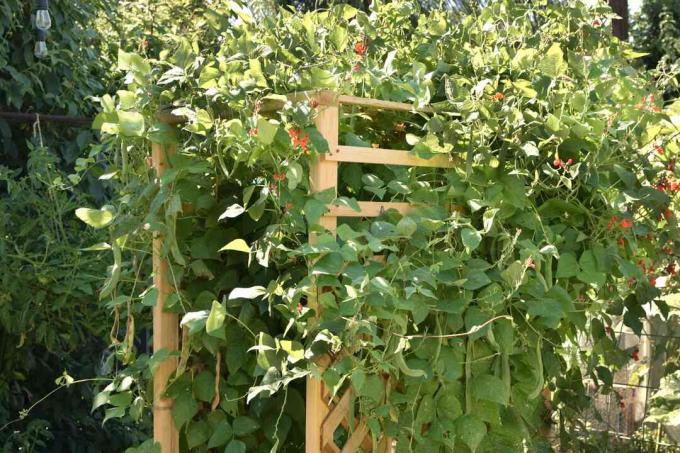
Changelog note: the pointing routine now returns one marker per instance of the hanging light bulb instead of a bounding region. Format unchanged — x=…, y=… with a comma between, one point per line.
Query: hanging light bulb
x=40, y=49
x=42, y=15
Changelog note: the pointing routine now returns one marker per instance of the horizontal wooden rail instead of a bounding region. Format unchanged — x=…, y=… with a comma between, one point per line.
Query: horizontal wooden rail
x=326, y=97
x=381, y=105
x=370, y=209
x=364, y=155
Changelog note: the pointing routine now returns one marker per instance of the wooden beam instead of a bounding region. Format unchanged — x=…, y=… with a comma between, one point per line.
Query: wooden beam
x=328, y=98
x=365, y=155
x=334, y=418
x=381, y=105
x=369, y=209
x=165, y=328
x=323, y=175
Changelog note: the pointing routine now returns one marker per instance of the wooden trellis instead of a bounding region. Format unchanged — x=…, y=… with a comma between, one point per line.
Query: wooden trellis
x=326, y=414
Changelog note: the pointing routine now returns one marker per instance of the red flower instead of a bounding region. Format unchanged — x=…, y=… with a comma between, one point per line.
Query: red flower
x=570, y=161
x=597, y=23
x=279, y=176
x=294, y=134
x=656, y=109
x=253, y=131
x=626, y=223
x=667, y=213
x=498, y=96
x=557, y=163
x=670, y=269
x=658, y=149
x=612, y=222
x=360, y=48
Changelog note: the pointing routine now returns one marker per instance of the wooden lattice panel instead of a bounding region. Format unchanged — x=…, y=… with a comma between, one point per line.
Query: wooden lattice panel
x=326, y=413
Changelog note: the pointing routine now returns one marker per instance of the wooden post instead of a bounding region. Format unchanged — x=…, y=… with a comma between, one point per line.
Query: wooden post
x=323, y=175
x=165, y=328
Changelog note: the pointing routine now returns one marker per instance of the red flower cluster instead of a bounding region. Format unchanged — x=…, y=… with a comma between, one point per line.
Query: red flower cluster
x=647, y=102
x=279, y=176
x=668, y=184
x=670, y=269
x=302, y=142
x=360, y=48
x=498, y=96
x=658, y=149
x=626, y=223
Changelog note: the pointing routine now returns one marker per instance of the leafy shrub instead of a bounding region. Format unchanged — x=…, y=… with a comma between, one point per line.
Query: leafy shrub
x=563, y=179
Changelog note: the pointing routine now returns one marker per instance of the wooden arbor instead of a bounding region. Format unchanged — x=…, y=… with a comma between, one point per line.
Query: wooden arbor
x=325, y=415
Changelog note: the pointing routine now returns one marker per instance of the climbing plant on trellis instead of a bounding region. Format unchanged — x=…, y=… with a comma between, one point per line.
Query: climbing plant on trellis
x=438, y=324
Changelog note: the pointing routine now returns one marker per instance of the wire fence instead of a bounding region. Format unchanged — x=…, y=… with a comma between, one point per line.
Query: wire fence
x=621, y=416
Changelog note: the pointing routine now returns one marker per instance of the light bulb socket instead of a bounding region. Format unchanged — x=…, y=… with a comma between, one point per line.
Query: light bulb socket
x=42, y=35
x=41, y=4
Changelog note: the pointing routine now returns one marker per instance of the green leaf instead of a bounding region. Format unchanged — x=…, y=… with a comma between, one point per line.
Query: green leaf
x=184, y=408
x=113, y=412
x=471, y=238
x=221, y=435
x=331, y=264
x=130, y=124
x=235, y=446
x=237, y=245
x=552, y=62
x=214, y=324
x=204, y=386
x=294, y=175
x=567, y=266
x=244, y=425
x=232, y=211
x=406, y=227
x=471, y=430
x=266, y=130
x=514, y=274
x=294, y=349
x=247, y=293
x=490, y=388
x=197, y=433
x=96, y=218
x=133, y=62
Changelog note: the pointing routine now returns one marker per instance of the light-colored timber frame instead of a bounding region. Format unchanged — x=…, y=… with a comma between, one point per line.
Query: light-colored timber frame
x=323, y=413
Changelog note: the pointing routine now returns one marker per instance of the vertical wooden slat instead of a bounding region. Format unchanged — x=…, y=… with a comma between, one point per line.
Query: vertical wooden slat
x=323, y=175
x=165, y=329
